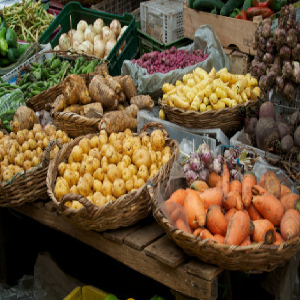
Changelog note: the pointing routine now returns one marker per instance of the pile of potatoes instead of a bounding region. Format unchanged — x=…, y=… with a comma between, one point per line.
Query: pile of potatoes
x=23, y=150
x=104, y=167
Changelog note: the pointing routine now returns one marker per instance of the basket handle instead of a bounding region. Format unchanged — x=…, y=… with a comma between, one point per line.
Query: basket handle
x=152, y=125
x=89, y=206
x=46, y=156
x=23, y=68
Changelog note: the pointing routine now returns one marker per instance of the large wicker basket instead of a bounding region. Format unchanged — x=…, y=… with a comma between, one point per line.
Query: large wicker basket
x=29, y=186
x=125, y=211
x=229, y=120
x=251, y=259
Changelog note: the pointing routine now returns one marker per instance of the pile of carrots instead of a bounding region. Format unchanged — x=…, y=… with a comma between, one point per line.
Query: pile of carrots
x=237, y=213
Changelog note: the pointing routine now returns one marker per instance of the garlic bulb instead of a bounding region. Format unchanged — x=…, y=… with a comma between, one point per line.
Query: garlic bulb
x=90, y=47
x=82, y=26
x=98, y=25
x=115, y=26
x=99, y=48
x=64, y=42
x=89, y=35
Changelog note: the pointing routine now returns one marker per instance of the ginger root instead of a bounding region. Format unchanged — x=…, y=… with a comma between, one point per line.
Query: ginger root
x=142, y=102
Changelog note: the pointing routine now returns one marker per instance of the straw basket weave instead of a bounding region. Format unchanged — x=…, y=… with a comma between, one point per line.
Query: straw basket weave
x=229, y=120
x=125, y=211
x=29, y=186
x=251, y=259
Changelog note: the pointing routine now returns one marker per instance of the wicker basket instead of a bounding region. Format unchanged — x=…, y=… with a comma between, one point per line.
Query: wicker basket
x=229, y=120
x=125, y=211
x=251, y=259
x=29, y=186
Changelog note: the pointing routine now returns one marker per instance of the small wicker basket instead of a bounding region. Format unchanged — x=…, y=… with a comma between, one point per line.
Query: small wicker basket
x=227, y=119
x=29, y=186
x=126, y=210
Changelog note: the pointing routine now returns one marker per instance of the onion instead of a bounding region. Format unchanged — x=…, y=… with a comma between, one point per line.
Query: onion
x=122, y=31
x=64, y=42
x=98, y=25
x=56, y=48
x=78, y=36
x=82, y=48
x=90, y=47
x=107, y=34
x=115, y=27
x=99, y=48
x=92, y=28
x=109, y=46
x=82, y=26
x=69, y=33
x=97, y=38
x=76, y=45
x=89, y=35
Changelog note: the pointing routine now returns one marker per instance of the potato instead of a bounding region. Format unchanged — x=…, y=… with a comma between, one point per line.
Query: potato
x=127, y=160
x=127, y=174
x=110, y=198
x=7, y=174
x=97, y=186
x=112, y=138
x=153, y=167
x=77, y=153
x=59, y=134
x=149, y=146
x=136, y=143
x=127, y=132
x=103, y=133
x=89, y=179
x=118, y=144
x=85, y=145
x=129, y=184
x=76, y=205
x=11, y=155
x=139, y=183
x=106, y=188
x=86, y=167
x=102, y=141
x=39, y=151
x=113, y=173
x=153, y=156
x=104, y=165
x=39, y=136
x=141, y=157
x=157, y=140
x=30, y=135
x=3, y=151
x=94, y=142
x=128, y=148
x=118, y=188
x=70, y=177
x=143, y=172
x=84, y=157
x=153, y=173
x=121, y=165
x=99, y=199
x=19, y=160
x=105, y=178
x=70, y=159
x=112, y=155
x=73, y=189
x=61, y=168
x=166, y=150
x=61, y=188
x=35, y=161
x=98, y=174
x=165, y=158
x=20, y=138
x=83, y=187
x=145, y=140
x=75, y=167
x=121, y=136
x=158, y=156
x=65, y=138
x=95, y=153
x=133, y=169
x=27, y=165
x=104, y=149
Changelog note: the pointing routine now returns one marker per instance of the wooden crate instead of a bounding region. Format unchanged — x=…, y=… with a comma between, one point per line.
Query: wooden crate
x=239, y=62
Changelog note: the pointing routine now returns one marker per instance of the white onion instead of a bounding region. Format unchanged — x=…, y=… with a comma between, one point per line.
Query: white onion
x=64, y=42
x=115, y=26
x=76, y=45
x=99, y=48
x=82, y=26
x=82, y=48
x=107, y=34
x=122, y=31
x=97, y=38
x=98, y=25
x=69, y=33
x=90, y=47
x=89, y=35
x=56, y=48
x=78, y=36
x=109, y=46
x=92, y=27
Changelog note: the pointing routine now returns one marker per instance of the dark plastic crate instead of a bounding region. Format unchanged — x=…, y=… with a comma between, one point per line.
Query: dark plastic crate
x=77, y=12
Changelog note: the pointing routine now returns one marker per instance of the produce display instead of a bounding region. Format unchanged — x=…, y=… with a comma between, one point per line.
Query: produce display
x=23, y=149
x=166, y=61
x=200, y=91
x=276, y=64
x=106, y=167
x=95, y=39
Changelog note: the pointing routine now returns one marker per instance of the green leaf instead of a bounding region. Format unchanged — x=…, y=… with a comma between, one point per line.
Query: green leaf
x=46, y=5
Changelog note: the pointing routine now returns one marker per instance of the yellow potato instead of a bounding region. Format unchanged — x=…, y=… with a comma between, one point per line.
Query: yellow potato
x=136, y=143
x=94, y=142
x=61, y=188
x=95, y=162
x=139, y=183
x=118, y=188
x=153, y=173
x=141, y=157
x=202, y=107
x=99, y=199
x=86, y=167
x=89, y=179
x=112, y=138
x=95, y=153
x=157, y=140
x=118, y=144
x=122, y=165
x=102, y=141
x=19, y=160
x=77, y=205
x=121, y=136
x=61, y=168
x=128, y=132
x=143, y=172
x=213, y=99
x=126, y=159
x=133, y=169
x=113, y=173
x=77, y=153
x=85, y=145
x=112, y=155
x=70, y=177
x=106, y=188
x=73, y=190
x=129, y=185
x=165, y=158
x=99, y=174
x=97, y=186
x=126, y=174
x=153, y=156
x=70, y=159
x=8, y=174
x=83, y=187
x=128, y=148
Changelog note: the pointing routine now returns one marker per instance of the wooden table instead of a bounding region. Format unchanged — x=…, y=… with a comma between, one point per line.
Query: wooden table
x=143, y=247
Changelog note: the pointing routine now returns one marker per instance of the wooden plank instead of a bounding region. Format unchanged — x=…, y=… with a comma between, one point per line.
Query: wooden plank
x=202, y=270
x=50, y=206
x=239, y=62
x=174, y=278
x=145, y=236
x=166, y=251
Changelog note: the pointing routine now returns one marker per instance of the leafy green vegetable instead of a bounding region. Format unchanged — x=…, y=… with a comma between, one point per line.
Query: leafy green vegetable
x=11, y=38
x=3, y=43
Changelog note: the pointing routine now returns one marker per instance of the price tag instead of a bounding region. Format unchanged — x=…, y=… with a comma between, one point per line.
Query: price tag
x=274, y=25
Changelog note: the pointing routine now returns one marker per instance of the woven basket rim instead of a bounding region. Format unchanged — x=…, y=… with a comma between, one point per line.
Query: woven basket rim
x=74, y=117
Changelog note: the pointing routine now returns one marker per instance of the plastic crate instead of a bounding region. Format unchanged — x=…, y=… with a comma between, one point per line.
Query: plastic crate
x=77, y=13
x=86, y=293
x=162, y=20
x=149, y=44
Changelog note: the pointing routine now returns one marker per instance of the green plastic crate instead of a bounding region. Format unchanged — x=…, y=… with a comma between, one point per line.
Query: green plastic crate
x=77, y=12
x=149, y=44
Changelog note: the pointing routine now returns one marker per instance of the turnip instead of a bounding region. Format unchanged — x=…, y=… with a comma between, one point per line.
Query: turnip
x=292, y=38
x=279, y=83
x=295, y=118
x=267, y=110
x=287, y=69
x=283, y=130
x=297, y=137
x=286, y=144
x=250, y=127
x=266, y=133
x=289, y=92
x=285, y=52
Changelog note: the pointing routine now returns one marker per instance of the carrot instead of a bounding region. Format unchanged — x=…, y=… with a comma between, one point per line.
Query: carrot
x=199, y=186
x=236, y=186
x=284, y=190
x=238, y=229
x=264, y=231
x=270, y=182
x=219, y=238
x=239, y=204
x=290, y=201
x=248, y=182
x=246, y=241
x=231, y=200
x=205, y=234
x=170, y=206
x=251, y=222
x=198, y=231
x=225, y=179
x=213, y=179
x=212, y=196
x=257, y=190
x=230, y=213
x=216, y=221
x=269, y=207
x=219, y=184
x=290, y=224
x=253, y=213
x=278, y=239
x=178, y=213
x=180, y=224
x=178, y=196
x=195, y=210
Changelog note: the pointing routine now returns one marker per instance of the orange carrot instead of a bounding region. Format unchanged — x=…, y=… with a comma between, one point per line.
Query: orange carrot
x=199, y=186
x=278, y=239
x=248, y=182
x=231, y=200
x=219, y=184
x=238, y=229
x=270, y=182
x=257, y=190
x=216, y=221
x=290, y=201
x=264, y=231
x=290, y=224
x=179, y=196
x=269, y=207
x=213, y=179
x=284, y=190
x=236, y=186
x=225, y=179
x=230, y=213
x=192, y=192
x=219, y=238
x=198, y=231
x=180, y=224
x=205, y=234
x=239, y=203
x=178, y=213
x=195, y=210
x=212, y=196
x=253, y=213
x=246, y=241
